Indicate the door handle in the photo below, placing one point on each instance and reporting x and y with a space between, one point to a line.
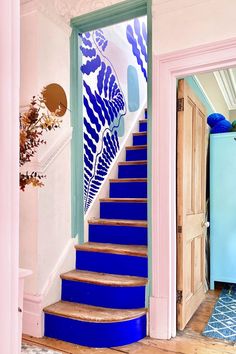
205 224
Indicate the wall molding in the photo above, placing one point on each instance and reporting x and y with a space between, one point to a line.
41 163
51 154
227 84
199 59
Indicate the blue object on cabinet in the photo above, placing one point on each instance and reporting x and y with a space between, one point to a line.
223 208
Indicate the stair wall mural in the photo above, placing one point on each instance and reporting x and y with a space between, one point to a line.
114 69
103 300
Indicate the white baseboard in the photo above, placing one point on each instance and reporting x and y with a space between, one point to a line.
33 319
159 321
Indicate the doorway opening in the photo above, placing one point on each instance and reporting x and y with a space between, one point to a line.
91 24
206 228
110 178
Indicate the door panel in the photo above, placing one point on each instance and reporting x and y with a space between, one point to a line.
191 203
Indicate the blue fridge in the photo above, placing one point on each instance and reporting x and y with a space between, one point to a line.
222 208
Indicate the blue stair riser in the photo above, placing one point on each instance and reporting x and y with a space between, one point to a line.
111 263
92 334
128 190
118 297
143 127
136 154
123 210
132 171
125 235
139 140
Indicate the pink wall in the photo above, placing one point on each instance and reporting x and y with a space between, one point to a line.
207 21
46 246
9 190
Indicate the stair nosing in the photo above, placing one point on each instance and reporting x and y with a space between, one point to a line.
140 134
118 180
128 250
104 279
138 162
123 200
118 222
78 308
143 121
136 147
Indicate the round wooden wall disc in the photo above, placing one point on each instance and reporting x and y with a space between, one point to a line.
55 99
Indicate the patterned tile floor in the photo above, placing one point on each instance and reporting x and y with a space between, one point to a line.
222 324
31 349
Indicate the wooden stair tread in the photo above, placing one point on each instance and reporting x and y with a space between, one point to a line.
117 180
139 162
104 278
136 147
87 313
140 134
131 250
124 200
118 222
143 120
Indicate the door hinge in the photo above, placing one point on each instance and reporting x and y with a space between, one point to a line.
180 104
179 296
179 229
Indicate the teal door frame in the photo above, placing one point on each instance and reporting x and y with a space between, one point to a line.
107 16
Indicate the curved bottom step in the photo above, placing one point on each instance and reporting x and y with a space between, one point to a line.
93 326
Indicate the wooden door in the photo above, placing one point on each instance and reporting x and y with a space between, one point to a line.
191 203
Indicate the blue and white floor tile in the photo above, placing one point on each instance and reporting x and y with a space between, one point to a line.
31 349
222 324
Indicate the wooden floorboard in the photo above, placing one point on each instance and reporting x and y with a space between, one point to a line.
189 341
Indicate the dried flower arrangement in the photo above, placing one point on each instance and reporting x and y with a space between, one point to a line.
33 123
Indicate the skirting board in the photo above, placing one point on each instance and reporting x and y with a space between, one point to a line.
33 319
155 330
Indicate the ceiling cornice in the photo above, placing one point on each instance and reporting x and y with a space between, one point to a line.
48 9
65 9
69 9
62 11
226 80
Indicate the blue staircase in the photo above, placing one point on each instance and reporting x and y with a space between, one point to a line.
103 299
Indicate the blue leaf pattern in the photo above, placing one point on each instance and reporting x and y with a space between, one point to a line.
102 105
137 37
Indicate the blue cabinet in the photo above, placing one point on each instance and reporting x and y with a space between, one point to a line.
223 208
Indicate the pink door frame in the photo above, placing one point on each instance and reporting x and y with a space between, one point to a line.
167 69
9 173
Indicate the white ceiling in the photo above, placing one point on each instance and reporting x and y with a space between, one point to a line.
226 80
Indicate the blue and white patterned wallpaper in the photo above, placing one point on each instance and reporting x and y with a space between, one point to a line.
105 95
137 36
